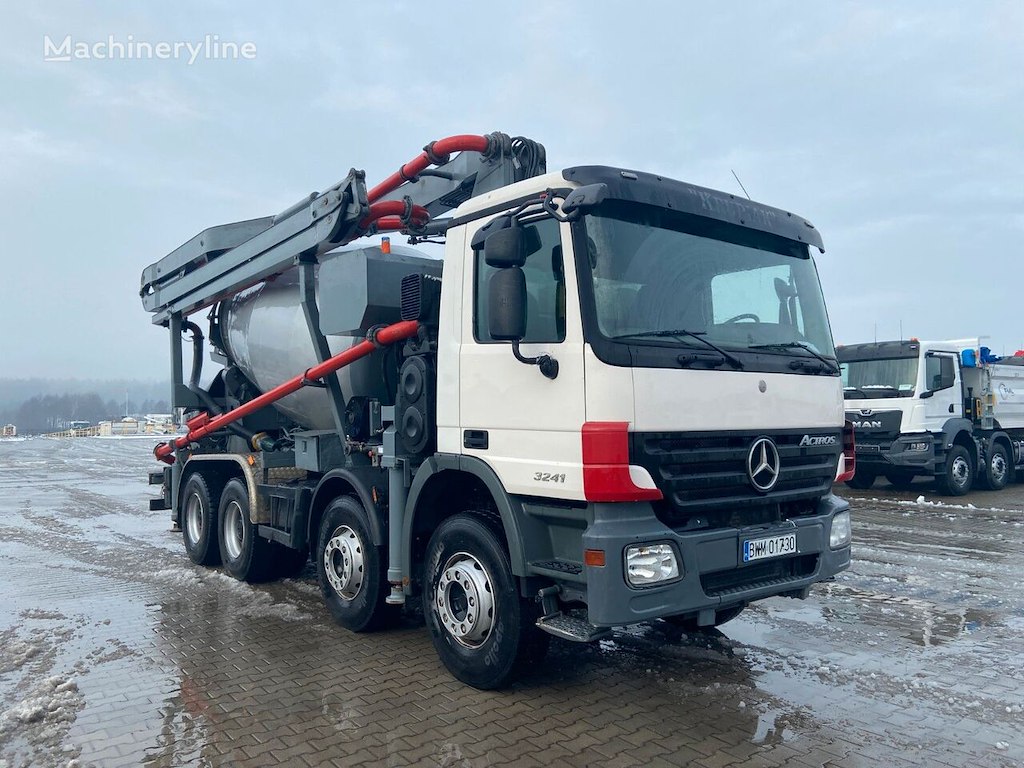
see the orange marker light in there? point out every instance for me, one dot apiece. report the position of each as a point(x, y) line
point(594, 557)
point(385, 245)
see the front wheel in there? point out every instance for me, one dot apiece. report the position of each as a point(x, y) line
point(482, 629)
point(958, 475)
point(352, 572)
point(999, 468)
point(862, 479)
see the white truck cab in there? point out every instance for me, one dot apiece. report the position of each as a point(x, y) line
point(615, 400)
point(942, 409)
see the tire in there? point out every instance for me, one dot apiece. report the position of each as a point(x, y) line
point(999, 468)
point(900, 480)
point(352, 572)
point(200, 501)
point(689, 623)
point(244, 553)
point(862, 479)
point(482, 629)
point(288, 562)
point(958, 476)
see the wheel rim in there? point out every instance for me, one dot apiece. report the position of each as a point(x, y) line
point(195, 518)
point(234, 530)
point(464, 600)
point(344, 562)
point(961, 471)
point(998, 467)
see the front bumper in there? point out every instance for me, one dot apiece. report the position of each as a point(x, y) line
point(882, 455)
point(713, 575)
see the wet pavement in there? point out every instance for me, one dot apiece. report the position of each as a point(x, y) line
point(116, 650)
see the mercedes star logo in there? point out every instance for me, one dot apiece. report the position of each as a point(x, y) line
point(763, 464)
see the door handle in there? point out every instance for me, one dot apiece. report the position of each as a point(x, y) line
point(475, 438)
point(951, 408)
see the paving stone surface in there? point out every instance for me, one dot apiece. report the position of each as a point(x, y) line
point(116, 650)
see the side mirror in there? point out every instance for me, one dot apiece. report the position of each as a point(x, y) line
point(506, 296)
point(584, 197)
point(505, 248)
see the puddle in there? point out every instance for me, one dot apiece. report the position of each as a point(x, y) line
point(922, 622)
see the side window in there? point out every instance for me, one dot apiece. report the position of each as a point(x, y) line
point(939, 372)
point(545, 288)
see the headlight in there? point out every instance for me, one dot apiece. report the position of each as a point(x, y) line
point(918, 446)
point(840, 535)
point(651, 563)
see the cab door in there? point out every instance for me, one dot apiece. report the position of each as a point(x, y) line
point(941, 376)
point(526, 426)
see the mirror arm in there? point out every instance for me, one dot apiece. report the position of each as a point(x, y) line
point(548, 365)
point(550, 208)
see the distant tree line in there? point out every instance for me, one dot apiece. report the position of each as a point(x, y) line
point(51, 413)
point(14, 392)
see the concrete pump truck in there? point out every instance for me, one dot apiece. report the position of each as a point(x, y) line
point(614, 400)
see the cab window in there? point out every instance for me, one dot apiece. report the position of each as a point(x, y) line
point(939, 372)
point(545, 288)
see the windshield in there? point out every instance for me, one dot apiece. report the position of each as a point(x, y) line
point(884, 377)
point(660, 278)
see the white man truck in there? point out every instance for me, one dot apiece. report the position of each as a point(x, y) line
point(614, 400)
point(947, 410)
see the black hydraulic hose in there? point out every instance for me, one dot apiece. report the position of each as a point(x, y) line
point(197, 354)
point(202, 394)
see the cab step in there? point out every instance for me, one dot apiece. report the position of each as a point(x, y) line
point(571, 628)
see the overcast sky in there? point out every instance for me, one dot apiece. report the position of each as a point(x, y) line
point(897, 128)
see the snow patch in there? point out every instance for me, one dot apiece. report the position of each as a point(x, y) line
point(177, 577)
point(921, 501)
point(51, 705)
point(39, 613)
point(18, 653)
point(255, 604)
point(308, 588)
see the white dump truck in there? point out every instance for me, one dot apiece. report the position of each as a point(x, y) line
point(949, 410)
point(614, 400)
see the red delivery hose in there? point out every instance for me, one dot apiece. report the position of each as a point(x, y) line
point(435, 153)
point(202, 425)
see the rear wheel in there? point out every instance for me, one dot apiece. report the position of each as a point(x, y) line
point(199, 520)
point(957, 477)
point(484, 632)
point(900, 480)
point(998, 470)
point(862, 479)
point(352, 572)
point(245, 554)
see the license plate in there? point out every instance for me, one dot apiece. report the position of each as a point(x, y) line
point(867, 448)
point(770, 546)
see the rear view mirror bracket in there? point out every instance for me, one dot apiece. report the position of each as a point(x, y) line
point(547, 364)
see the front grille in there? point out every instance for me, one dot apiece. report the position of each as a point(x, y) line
point(768, 574)
point(703, 476)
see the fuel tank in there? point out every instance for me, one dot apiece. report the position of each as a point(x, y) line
point(264, 330)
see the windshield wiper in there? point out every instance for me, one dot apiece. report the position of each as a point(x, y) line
point(734, 361)
point(830, 365)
